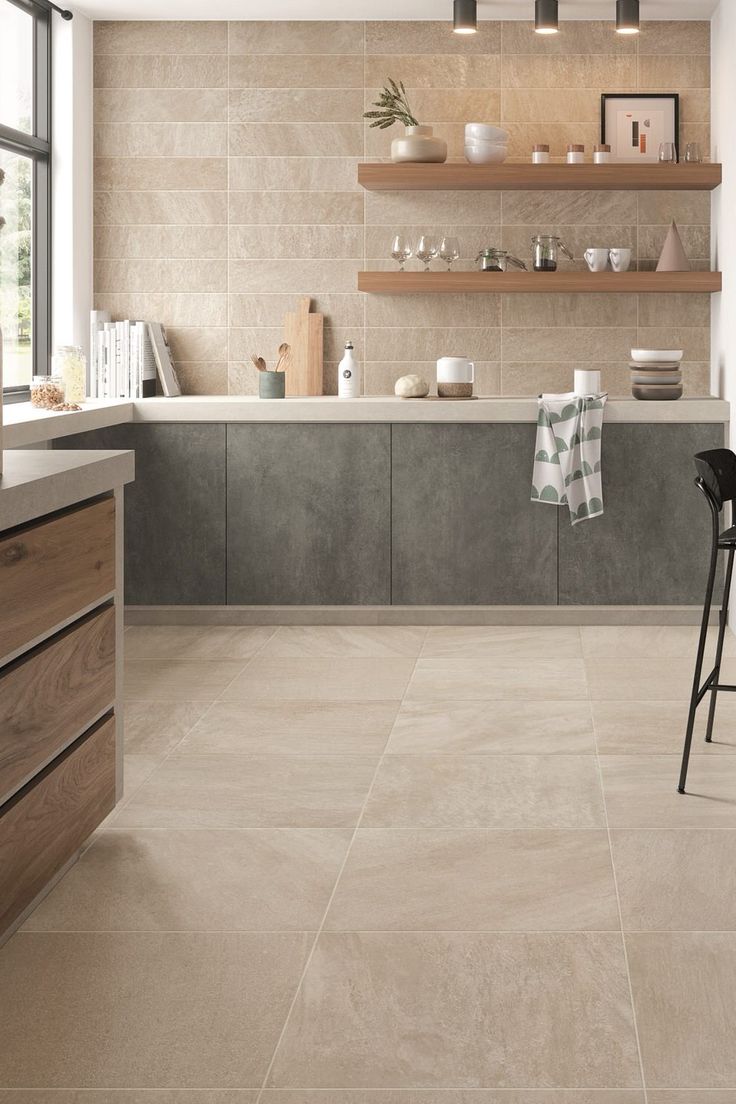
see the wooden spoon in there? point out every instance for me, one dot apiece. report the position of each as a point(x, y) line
point(284, 354)
point(259, 362)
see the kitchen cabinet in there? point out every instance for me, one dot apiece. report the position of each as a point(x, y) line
point(309, 514)
point(464, 529)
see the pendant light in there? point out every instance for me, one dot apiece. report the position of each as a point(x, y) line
point(465, 16)
point(627, 16)
point(546, 17)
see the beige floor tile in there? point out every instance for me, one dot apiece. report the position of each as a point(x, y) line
point(346, 641)
point(460, 1010)
point(502, 641)
point(443, 1096)
point(646, 727)
point(476, 881)
point(509, 791)
point(153, 729)
point(192, 680)
point(144, 1010)
point(676, 880)
point(293, 728)
point(649, 641)
point(684, 987)
point(688, 1096)
point(479, 679)
point(492, 728)
point(149, 1096)
point(645, 680)
point(196, 641)
point(641, 791)
point(252, 791)
point(322, 679)
point(197, 881)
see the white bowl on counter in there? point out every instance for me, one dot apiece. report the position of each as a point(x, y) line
point(486, 133)
point(485, 153)
point(656, 356)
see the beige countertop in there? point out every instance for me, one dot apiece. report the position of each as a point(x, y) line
point(35, 483)
point(26, 426)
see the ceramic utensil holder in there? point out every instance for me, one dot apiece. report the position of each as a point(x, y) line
point(271, 385)
point(587, 381)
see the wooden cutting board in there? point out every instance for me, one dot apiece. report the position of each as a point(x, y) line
point(304, 332)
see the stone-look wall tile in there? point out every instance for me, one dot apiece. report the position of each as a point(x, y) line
point(202, 377)
point(613, 73)
point(295, 208)
point(198, 345)
point(659, 71)
point(296, 37)
point(412, 343)
point(294, 174)
point(429, 37)
point(439, 106)
point(433, 310)
point(569, 310)
point(144, 208)
point(440, 70)
point(160, 105)
point(157, 275)
point(568, 345)
point(165, 37)
point(264, 310)
point(198, 174)
point(684, 207)
point(695, 239)
point(296, 241)
point(693, 340)
point(197, 311)
point(674, 310)
point(432, 208)
point(160, 241)
point(242, 378)
point(573, 208)
point(296, 140)
point(160, 140)
point(677, 36)
point(581, 36)
point(533, 378)
point(381, 376)
point(265, 342)
point(165, 71)
point(695, 108)
point(297, 71)
point(296, 105)
point(535, 105)
point(302, 277)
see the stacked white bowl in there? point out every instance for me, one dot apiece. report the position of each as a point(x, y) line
point(485, 144)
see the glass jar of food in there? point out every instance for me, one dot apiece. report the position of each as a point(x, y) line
point(71, 364)
point(47, 392)
point(545, 248)
point(498, 260)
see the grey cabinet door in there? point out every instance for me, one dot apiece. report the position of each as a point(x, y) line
point(174, 511)
point(651, 546)
point(308, 514)
point(465, 531)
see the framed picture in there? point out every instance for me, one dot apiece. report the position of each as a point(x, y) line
point(635, 124)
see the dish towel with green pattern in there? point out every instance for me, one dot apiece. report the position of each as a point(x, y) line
point(567, 456)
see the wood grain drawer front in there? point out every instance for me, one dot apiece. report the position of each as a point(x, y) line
point(53, 695)
point(46, 823)
point(51, 570)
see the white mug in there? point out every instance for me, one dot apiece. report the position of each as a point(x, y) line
point(455, 369)
point(596, 259)
point(620, 259)
point(587, 381)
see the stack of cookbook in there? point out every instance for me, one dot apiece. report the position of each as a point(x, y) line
point(126, 357)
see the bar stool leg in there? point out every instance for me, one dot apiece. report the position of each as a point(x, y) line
point(698, 666)
point(722, 621)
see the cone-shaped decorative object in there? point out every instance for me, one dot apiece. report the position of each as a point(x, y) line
point(673, 258)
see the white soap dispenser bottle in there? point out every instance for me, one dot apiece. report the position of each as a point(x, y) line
point(348, 375)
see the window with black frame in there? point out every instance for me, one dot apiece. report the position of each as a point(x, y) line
point(25, 200)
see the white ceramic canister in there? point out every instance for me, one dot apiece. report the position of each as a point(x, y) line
point(587, 381)
point(455, 377)
point(575, 155)
point(601, 154)
point(540, 155)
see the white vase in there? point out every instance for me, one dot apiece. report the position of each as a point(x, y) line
point(419, 144)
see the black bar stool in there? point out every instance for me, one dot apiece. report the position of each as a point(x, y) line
point(717, 480)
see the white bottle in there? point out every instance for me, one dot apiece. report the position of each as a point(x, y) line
point(348, 375)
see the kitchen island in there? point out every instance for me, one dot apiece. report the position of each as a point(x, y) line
point(386, 509)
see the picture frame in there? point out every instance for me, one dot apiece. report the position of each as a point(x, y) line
point(635, 123)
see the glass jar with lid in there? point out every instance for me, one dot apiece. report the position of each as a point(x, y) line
point(498, 260)
point(47, 392)
point(545, 249)
point(70, 363)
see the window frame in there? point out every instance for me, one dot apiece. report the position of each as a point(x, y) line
point(37, 146)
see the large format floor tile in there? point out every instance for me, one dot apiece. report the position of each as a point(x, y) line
point(498, 727)
point(153, 729)
point(149, 1096)
point(441, 1096)
point(502, 642)
point(197, 881)
point(346, 641)
point(483, 791)
point(641, 791)
point(513, 679)
point(476, 881)
point(684, 986)
point(195, 641)
point(185, 680)
point(649, 641)
point(252, 791)
point(144, 1010)
point(293, 728)
point(434, 1010)
point(679, 880)
point(322, 679)
point(651, 727)
point(638, 679)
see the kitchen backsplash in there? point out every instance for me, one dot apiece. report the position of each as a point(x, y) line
point(225, 185)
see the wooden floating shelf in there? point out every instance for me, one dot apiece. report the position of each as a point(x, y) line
point(459, 176)
point(497, 283)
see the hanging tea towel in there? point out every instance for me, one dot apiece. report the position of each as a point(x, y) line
point(567, 456)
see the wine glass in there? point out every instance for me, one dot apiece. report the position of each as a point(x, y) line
point(449, 251)
point(667, 153)
point(426, 250)
point(401, 250)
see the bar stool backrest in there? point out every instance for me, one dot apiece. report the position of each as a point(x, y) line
point(717, 469)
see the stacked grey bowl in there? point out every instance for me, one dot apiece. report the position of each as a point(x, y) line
point(656, 374)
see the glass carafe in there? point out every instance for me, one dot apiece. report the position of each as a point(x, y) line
point(545, 248)
point(498, 260)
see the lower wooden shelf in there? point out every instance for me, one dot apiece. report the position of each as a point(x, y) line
point(396, 283)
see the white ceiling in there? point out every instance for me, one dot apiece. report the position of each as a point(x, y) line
point(376, 9)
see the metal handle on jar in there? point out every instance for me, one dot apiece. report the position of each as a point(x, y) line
point(565, 250)
point(516, 262)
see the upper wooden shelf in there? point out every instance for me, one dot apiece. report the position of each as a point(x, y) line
point(393, 283)
point(459, 176)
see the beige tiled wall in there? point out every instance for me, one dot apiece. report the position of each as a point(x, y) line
point(225, 182)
